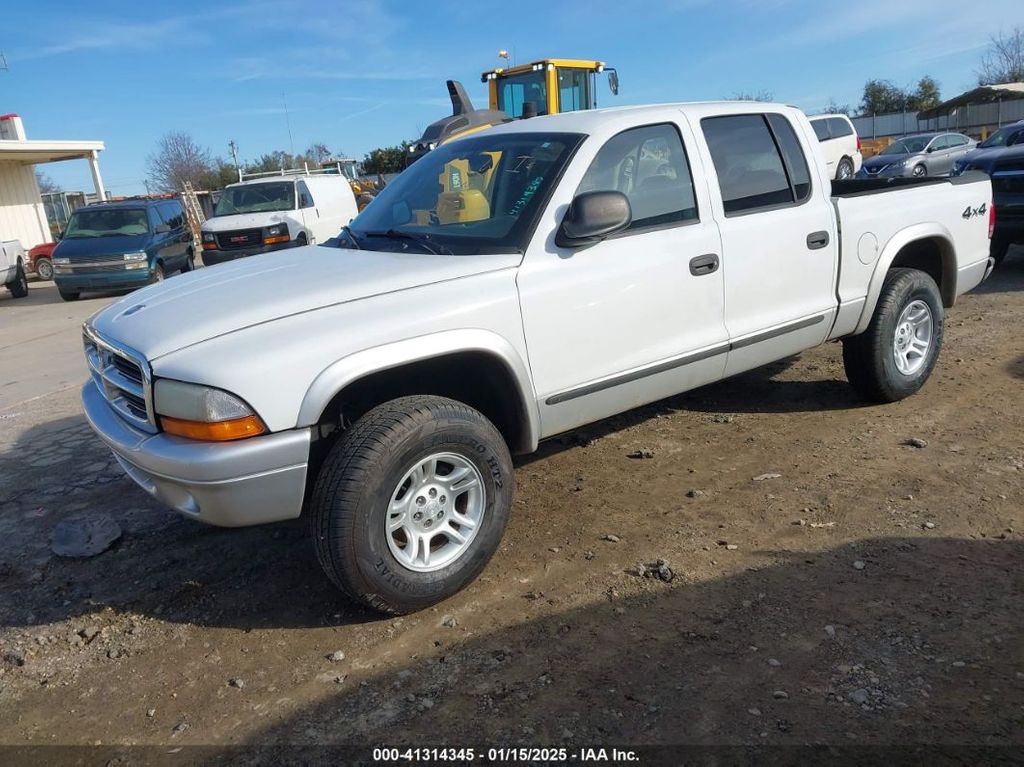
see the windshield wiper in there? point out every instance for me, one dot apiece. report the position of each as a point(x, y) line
point(423, 240)
point(346, 229)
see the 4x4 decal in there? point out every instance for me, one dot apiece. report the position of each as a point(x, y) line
point(970, 212)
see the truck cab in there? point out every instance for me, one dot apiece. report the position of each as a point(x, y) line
point(551, 86)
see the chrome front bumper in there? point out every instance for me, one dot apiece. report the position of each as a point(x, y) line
point(230, 484)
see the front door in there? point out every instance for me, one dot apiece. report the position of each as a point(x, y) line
point(638, 316)
point(779, 253)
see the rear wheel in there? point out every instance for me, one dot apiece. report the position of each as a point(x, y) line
point(411, 503)
point(44, 269)
point(69, 295)
point(844, 170)
point(998, 249)
point(19, 287)
point(894, 357)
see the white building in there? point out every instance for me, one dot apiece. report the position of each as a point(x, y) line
point(22, 216)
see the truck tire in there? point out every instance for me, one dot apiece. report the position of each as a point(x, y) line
point(411, 503)
point(19, 287)
point(893, 358)
point(69, 295)
point(998, 249)
point(44, 268)
point(157, 275)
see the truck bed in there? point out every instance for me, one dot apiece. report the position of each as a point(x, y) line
point(857, 187)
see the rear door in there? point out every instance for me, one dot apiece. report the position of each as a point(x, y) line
point(638, 316)
point(959, 145)
point(779, 253)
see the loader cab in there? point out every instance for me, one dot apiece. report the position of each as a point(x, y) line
point(548, 86)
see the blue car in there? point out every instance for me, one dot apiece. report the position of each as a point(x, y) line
point(122, 245)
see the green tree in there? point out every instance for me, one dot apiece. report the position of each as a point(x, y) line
point(390, 159)
point(881, 96)
point(926, 95)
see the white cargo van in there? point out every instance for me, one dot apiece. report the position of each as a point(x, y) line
point(277, 211)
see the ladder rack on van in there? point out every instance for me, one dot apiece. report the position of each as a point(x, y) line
point(305, 170)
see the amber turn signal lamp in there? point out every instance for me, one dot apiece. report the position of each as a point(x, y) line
point(218, 431)
point(275, 240)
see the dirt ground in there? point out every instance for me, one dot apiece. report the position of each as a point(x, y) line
point(869, 594)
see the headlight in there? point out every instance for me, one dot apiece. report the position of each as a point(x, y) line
point(898, 164)
point(275, 234)
point(61, 261)
point(208, 237)
point(136, 256)
point(203, 413)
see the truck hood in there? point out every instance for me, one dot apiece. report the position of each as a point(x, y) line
point(190, 308)
point(243, 221)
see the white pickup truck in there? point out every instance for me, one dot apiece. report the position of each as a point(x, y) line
point(12, 268)
point(507, 287)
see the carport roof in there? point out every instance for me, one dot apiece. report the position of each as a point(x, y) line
point(35, 152)
point(980, 95)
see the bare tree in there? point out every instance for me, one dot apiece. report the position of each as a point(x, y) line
point(835, 108)
point(761, 95)
point(1003, 62)
point(318, 152)
point(177, 159)
point(46, 184)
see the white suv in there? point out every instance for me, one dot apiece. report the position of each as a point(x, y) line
point(840, 144)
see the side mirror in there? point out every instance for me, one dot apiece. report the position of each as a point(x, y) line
point(592, 216)
point(163, 228)
point(60, 235)
point(930, 149)
point(613, 80)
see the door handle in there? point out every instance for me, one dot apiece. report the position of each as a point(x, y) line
point(705, 264)
point(817, 240)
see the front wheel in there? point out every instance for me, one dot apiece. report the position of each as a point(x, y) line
point(69, 295)
point(894, 357)
point(190, 262)
point(411, 503)
point(19, 288)
point(919, 171)
point(44, 269)
point(157, 275)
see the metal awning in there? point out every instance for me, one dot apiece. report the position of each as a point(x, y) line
point(981, 95)
point(31, 152)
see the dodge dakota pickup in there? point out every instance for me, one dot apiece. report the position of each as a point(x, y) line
point(510, 286)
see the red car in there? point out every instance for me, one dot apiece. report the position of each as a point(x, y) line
point(40, 260)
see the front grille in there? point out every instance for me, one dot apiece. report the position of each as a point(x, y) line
point(127, 368)
point(241, 238)
point(92, 269)
point(122, 376)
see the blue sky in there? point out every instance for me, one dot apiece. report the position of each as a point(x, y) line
point(361, 74)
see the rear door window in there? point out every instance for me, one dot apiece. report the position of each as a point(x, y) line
point(821, 129)
point(649, 165)
point(839, 127)
point(758, 160)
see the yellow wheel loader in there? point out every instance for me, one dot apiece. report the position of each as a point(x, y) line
point(547, 86)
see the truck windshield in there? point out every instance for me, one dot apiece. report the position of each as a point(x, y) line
point(476, 195)
point(516, 90)
point(911, 145)
point(256, 198)
point(115, 222)
point(1008, 136)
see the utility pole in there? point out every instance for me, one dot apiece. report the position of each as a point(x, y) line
point(233, 148)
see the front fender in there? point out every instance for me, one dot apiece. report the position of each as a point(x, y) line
point(358, 365)
point(902, 238)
